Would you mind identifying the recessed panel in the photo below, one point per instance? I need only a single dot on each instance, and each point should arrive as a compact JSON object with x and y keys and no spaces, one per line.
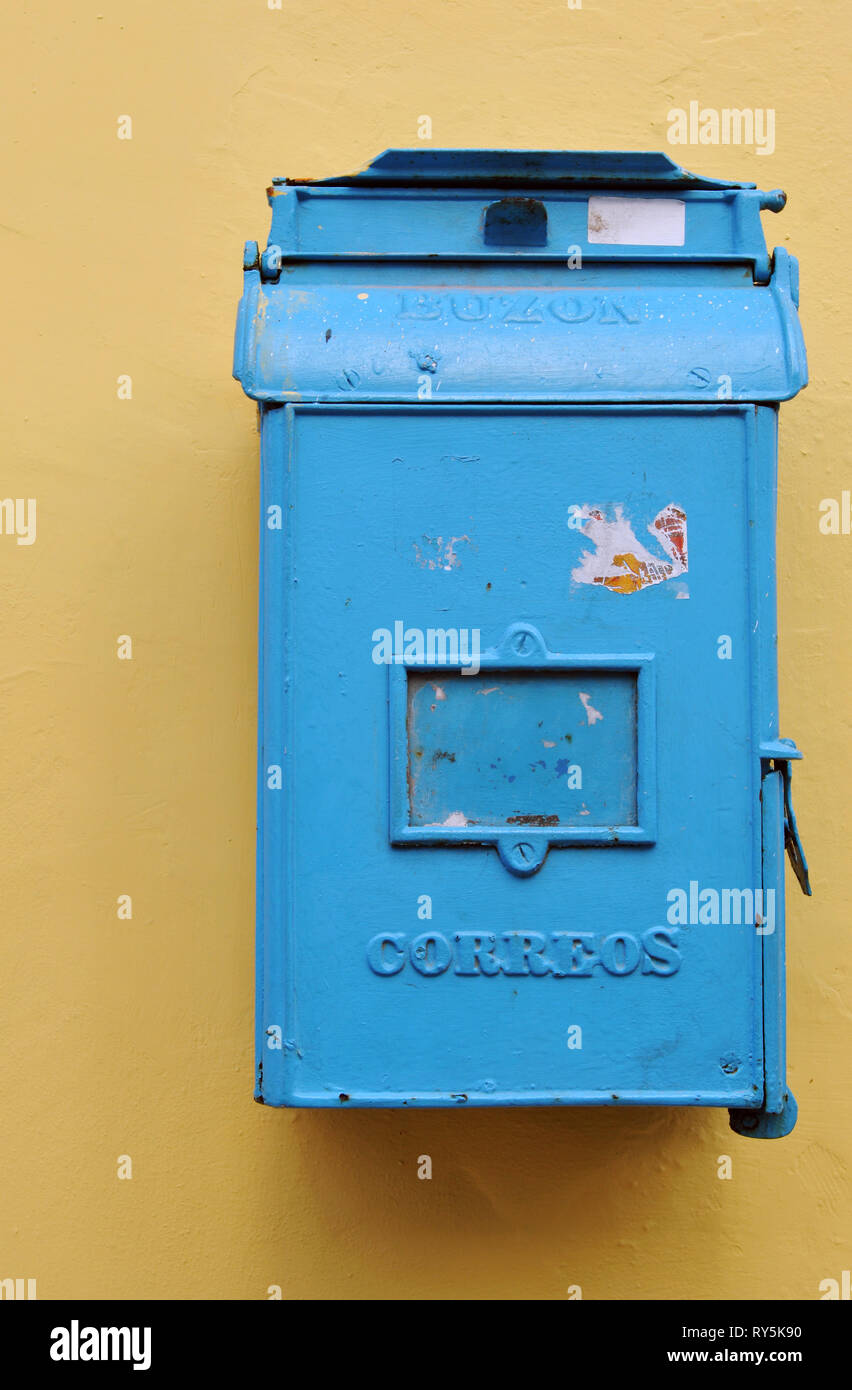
{"x":522,"y":748}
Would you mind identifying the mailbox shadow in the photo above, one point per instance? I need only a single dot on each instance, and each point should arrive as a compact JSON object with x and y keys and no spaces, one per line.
{"x":577,"y":1189}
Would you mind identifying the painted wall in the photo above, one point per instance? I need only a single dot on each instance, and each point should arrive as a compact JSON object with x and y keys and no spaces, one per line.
{"x":134,"y":1037}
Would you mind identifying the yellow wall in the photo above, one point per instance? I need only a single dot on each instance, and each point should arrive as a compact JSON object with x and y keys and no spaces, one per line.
{"x":134,"y":1037}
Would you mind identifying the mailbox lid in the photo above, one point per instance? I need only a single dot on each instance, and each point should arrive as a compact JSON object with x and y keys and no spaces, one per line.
{"x":466,"y":518}
{"x":519,"y":276}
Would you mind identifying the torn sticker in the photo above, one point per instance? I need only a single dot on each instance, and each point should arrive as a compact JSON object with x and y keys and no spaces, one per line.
{"x":619,"y":561}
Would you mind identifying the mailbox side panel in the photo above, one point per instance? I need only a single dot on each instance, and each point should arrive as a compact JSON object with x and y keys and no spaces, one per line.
{"x":273,"y":937}
{"x":372,"y":989}
{"x":764,"y":493}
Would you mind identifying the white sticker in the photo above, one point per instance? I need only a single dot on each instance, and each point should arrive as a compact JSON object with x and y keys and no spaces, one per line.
{"x":637,"y":221}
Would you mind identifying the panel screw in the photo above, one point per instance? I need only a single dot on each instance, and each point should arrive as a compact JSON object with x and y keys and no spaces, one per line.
{"x":700,"y":377}
{"x":270,"y":263}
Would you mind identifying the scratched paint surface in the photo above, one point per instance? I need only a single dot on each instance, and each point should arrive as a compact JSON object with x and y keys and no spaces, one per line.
{"x":619,"y":561}
{"x":512,"y":748}
{"x":436,"y":553}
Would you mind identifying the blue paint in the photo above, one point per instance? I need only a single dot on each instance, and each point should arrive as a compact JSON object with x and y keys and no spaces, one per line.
{"x":563,"y":477}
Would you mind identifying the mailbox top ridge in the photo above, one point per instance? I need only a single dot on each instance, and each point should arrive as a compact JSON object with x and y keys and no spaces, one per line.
{"x":519,"y":205}
{"x":519,"y":169}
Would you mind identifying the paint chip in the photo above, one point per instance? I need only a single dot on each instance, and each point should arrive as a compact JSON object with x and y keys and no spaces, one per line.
{"x":592,"y":714}
{"x":443,"y":554}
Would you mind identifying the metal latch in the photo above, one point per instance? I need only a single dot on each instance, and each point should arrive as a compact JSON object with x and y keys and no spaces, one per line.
{"x":777,"y":756}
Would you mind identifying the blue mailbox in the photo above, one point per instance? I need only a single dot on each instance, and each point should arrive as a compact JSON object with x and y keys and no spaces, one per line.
{"x":523,"y":803}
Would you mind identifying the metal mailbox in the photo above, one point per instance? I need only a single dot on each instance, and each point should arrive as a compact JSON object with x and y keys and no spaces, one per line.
{"x":523,"y":803}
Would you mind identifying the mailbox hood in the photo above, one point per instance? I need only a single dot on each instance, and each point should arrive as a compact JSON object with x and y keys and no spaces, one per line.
{"x":451,"y":276}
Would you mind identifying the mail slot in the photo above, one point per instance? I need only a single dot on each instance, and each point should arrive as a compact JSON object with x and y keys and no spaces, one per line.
{"x":523,"y":803}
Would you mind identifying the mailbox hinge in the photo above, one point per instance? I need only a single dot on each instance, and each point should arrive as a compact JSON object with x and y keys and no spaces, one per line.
{"x":777,"y":755}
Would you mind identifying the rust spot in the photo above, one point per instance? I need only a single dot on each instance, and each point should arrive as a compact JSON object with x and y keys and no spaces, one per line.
{"x":532,"y":820}
{"x":343,"y":1096}
{"x":327,"y":334}
{"x":442,"y":755}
